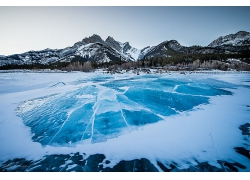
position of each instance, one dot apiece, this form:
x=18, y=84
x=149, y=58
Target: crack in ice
x=92, y=119
x=68, y=116
x=124, y=117
x=111, y=106
x=213, y=145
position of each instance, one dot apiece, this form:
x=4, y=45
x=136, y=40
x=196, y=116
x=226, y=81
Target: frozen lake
x=161, y=117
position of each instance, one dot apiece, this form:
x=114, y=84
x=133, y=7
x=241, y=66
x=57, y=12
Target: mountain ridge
x=97, y=50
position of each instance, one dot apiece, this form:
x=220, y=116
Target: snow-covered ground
x=167, y=117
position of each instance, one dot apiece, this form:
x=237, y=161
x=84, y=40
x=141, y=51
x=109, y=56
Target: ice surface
x=167, y=118
x=113, y=107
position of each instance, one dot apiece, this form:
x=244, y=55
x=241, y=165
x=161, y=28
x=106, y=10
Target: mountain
x=230, y=44
x=239, y=41
x=95, y=49
x=91, y=48
x=164, y=49
x=173, y=48
x=32, y=57
x=241, y=38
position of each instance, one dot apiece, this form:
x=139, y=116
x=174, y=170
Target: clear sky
x=40, y=27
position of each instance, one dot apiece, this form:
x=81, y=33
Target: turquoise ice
x=109, y=108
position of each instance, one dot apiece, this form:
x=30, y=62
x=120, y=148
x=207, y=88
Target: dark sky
x=36, y=28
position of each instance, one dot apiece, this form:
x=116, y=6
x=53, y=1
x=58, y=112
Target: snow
x=164, y=48
x=149, y=49
x=231, y=39
x=134, y=53
x=167, y=118
x=71, y=167
x=49, y=60
x=88, y=49
x=106, y=58
x=233, y=60
x=85, y=46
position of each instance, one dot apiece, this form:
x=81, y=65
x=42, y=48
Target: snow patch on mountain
x=134, y=53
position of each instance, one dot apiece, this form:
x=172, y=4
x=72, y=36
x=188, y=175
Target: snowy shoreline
x=140, y=70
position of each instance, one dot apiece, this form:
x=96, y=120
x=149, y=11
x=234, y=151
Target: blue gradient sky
x=36, y=28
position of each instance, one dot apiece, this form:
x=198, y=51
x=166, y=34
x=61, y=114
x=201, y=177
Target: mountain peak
x=113, y=43
x=95, y=36
x=93, y=39
x=109, y=38
x=242, y=33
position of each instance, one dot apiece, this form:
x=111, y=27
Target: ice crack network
x=109, y=108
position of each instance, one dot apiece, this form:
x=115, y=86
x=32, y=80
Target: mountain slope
x=230, y=44
x=95, y=49
x=241, y=38
x=126, y=51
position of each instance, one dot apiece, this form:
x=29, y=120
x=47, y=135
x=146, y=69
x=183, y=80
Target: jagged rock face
x=241, y=38
x=125, y=50
x=126, y=47
x=120, y=47
x=97, y=52
x=114, y=44
x=93, y=39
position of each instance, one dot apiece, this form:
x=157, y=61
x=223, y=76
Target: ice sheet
x=159, y=117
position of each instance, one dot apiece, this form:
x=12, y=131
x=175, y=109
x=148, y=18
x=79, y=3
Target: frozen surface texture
x=109, y=108
x=168, y=119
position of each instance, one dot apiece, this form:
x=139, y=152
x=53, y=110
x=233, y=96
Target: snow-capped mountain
x=173, y=47
x=229, y=44
x=94, y=48
x=91, y=48
x=241, y=38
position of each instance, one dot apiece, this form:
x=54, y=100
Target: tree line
x=190, y=61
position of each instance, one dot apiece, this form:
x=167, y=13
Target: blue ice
x=110, y=108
